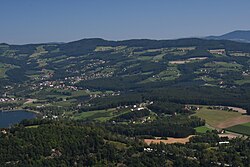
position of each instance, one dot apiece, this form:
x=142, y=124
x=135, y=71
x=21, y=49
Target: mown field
x=99, y=115
x=202, y=129
x=220, y=118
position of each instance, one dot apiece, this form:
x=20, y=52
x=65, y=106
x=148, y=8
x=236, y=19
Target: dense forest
x=81, y=144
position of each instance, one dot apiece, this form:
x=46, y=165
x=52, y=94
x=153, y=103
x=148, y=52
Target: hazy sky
x=35, y=21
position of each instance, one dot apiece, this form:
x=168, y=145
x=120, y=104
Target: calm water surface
x=9, y=118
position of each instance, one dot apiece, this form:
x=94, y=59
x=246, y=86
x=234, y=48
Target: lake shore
x=21, y=109
x=9, y=118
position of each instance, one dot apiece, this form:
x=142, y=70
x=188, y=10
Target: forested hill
x=138, y=65
x=137, y=57
x=239, y=35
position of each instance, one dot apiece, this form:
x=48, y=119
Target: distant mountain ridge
x=239, y=35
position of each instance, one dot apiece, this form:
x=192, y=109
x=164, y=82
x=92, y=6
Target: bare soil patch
x=179, y=62
x=30, y=101
x=233, y=121
x=170, y=140
x=187, y=60
x=240, y=110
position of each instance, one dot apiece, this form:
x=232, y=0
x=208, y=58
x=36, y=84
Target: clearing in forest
x=170, y=140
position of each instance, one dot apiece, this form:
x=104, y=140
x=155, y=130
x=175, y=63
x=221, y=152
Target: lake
x=12, y=117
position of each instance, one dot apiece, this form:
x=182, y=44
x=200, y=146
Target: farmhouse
x=217, y=51
x=148, y=149
x=4, y=132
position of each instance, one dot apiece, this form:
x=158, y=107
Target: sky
x=33, y=21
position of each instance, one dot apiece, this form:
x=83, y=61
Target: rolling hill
x=98, y=100
x=239, y=35
x=96, y=74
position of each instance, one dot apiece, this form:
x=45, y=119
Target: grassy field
x=109, y=48
x=170, y=74
x=50, y=92
x=220, y=118
x=158, y=57
x=224, y=66
x=3, y=69
x=145, y=58
x=246, y=80
x=208, y=79
x=2, y=72
x=101, y=115
x=79, y=93
x=117, y=144
x=32, y=126
x=242, y=129
x=202, y=129
x=39, y=51
x=66, y=103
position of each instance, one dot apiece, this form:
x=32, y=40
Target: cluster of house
x=92, y=96
x=90, y=76
x=246, y=73
x=50, y=117
x=47, y=76
x=217, y=51
x=136, y=107
x=53, y=84
x=224, y=108
x=192, y=108
x=94, y=62
x=7, y=99
x=61, y=84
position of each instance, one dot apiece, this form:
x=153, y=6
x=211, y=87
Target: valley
x=134, y=95
x=94, y=79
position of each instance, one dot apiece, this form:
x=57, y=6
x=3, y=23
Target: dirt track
x=30, y=101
